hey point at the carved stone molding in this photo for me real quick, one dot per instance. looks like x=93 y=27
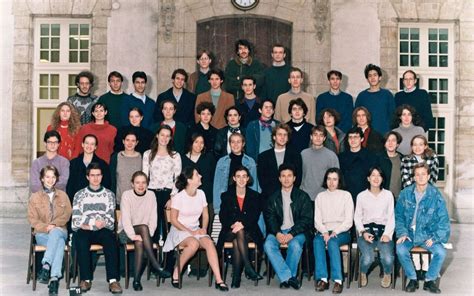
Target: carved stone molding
x=321 y=18
x=167 y=15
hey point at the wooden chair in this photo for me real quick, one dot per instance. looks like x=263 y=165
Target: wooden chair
x=284 y=247
x=230 y=246
x=75 y=268
x=179 y=250
x=31 y=270
x=347 y=249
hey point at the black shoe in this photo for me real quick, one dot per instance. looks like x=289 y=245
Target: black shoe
x=53 y=288
x=412 y=286
x=251 y=274
x=235 y=282
x=431 y=287
x=294 y=283
x=175 y=283
x=43 y=276
x=420 y=275
x=222 y=287
x=137 y=286
x=284 y=285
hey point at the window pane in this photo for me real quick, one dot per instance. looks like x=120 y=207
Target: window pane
x=434 y=99
x=72 y=80
x=71 y=91
x=404 y=60
x=73 y=30
x=44 y=56
x=441 y=136
x=73 y=56
x=433 y=34
x=415 y=47
x=431 y=135
x=43 y=95
x=441 y=122
x=403 y=33
x=443 y=34
x=44 y=43
x=84 y=44
x=54 y=80
x=44 y=30
x=433 y=61
x=443 y=47
x=443 y=84
x=84 y=29
x=403 y=46
x=54 y=94
x=44 y=80
x=55 y=30
x=432 y=84
x=84 y=56
x=443 y=61
x=441 y=175
x=433 y=47
x=55 y=43
x=443 y=98
x=55 y=56
x=415 y=60
x=441 y=160
x=440 y=149
x=414 y=34
x=73 y=43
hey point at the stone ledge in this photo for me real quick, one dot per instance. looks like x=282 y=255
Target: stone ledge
x=14 y=201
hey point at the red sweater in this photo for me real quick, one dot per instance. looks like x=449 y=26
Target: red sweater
x=105 y=134
x=68 y=141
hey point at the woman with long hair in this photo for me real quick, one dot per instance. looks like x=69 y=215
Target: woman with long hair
x=162 y=165
x=138 y=223
x=240 y=211
x=186 y=208
x=408 y=124
x=420 y=152
x=67 y=122
x=329 y=118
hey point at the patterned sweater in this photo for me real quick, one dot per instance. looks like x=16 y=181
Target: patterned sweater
x=91 y=205
x=162 y=171
x=409 y=161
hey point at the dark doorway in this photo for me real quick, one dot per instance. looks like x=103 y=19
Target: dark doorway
x=219 y=35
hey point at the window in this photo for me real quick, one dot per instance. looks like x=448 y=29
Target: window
x=410 y=47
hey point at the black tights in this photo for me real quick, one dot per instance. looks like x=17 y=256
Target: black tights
x=147 y=245
x=240 y=254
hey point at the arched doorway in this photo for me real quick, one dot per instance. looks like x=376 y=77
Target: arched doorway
x=219 y=35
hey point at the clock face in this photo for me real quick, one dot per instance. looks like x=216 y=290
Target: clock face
x=244 y=4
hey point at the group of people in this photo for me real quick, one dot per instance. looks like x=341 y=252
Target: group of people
x=249 y=151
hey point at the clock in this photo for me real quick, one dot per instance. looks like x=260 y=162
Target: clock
x=244 y=4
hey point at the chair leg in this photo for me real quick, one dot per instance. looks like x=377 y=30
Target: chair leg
x=28 y=271
x=199 y=264
x=357 y=271
x=74 y=267
x=308 y=267
x=127 y=275
x=66 y=267
x=404 y=279
x=268 y=266
x=256 y=263
x=178 y=259
x=34 y=271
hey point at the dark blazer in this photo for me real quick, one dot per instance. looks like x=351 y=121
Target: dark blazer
x=247 y=114
x=209 y=136
x=383 y=161
x=301 y=209
x=77 y=175
x=375 y=142
x=231 y=213
x=206 y=166
x=220 y=146
x=300 y=139
x=185 y=111
x=267 y=170
x=145 y=136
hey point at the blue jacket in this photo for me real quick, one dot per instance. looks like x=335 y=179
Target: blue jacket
x=221 y=178
x=147 y=108
x=432 y=220
x=252 y=138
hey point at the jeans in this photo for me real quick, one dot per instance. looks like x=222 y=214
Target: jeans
x=54 y=241
x=333 y=245
x=438 y=255
x=367 y=255
x=284 y=268
x=261 y=225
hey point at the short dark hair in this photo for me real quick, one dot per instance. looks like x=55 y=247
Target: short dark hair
x=267 y=100
x=287 y=166
x=217 y=72
x=415 y=117
x=130 y=132
x=52 y=133
x=332 y=112
x=243 y=42
x=96 y=105
x=139 y=74
x=180 y=71
x=91 y=136
x=139 y=174
x=319 y=128
x=139 y=110
x=396 y=134
x=340 y=184
x=334 y=72
x=279 y=45
x=206 y=106
x=423 y=165
x=93 y=166
x=86 y=74
x=182 y=180
x=162 y=104
x=115 y=74
x=298 y=102
x=226 y=113
x=204 y=51
x=355 y=130
x=295 y=69
x=242 y=168
x=372 y=67
x=378 y=169
x=409 y=71
x=248 y=77
x=49 y=168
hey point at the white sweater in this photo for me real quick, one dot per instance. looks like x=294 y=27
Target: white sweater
x=333 y=211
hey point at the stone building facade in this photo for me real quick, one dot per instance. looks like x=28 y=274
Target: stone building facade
x=158 y=36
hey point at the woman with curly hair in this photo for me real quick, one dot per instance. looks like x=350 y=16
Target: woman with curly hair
x=67 y=122
x=408 y=124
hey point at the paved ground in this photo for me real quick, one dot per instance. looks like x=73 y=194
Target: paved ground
x=458 y=274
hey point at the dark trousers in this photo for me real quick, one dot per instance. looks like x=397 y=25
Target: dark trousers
x=162 y=197
x=83 y=239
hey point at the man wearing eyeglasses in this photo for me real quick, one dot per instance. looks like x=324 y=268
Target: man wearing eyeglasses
x=50 y=157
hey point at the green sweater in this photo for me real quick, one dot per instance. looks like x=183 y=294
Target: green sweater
x=234 y=72
x=276 y=82
x=114 y=105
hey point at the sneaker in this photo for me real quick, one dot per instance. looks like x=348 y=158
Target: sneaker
x=43 y=276
x=386 y=281
x=363 y=279
x=53 y=288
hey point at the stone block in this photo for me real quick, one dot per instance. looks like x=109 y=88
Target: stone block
x=86 y=6
x=466 y=69
x=61 y=6
x=98 y=52
x=466 y=31
x=389 y=36
x=99 y=35
x=22 y=53
x=466 y=51
x=99 y=22
x=21 y=8
x=23 y=37
x=467 y=13
x=21 y=90
x=21 y=69
x=23 y=22
x=189 y=45
x=201 y=12
x=39 y=7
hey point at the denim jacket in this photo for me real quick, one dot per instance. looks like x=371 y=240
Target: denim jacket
x=252 y=138
x=221 y=178
x=432 y=220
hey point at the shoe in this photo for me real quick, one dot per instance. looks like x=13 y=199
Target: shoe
x=53 y=288
x=251 y=274
x=115 y=288
x=363 y=279
x=321 y=286
x=284 y=285
x=235 y=282
x=386 y=281
x=85 y=286
x=431 y=287
x=137 y=286
x=44 y=275
x=420 y=275
x=222 y=287
x=337 y=289
x=163 y=273
x=412 y=286
x=294 y=283
x=175 y=283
